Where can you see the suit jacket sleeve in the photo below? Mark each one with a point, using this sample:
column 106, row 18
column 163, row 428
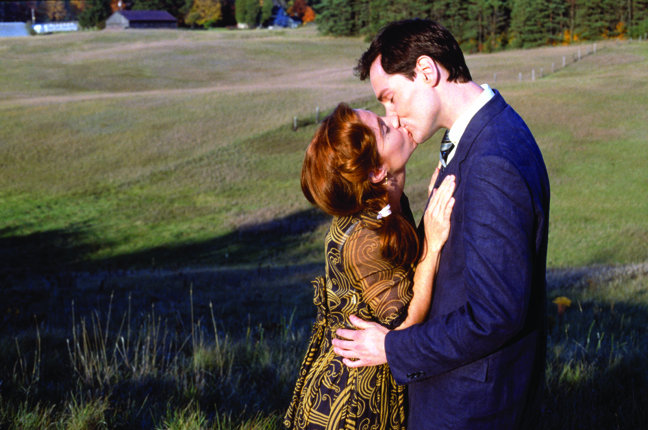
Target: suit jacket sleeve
column 499, row 246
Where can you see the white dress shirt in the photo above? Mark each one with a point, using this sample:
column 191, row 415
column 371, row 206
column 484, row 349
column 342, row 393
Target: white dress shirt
column 459, row 126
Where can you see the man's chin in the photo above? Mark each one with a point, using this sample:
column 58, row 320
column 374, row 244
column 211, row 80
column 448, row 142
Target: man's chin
column 412, row 140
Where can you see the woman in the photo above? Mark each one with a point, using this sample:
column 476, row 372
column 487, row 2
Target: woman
column 354, row 169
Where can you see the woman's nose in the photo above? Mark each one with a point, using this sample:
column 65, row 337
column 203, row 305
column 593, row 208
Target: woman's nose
column 392, row 120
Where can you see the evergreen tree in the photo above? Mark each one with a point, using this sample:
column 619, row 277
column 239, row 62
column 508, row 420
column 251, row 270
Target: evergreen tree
column 456, row 18
column 381, row 12
column 252, row 12
column 556, row 20
column 266, row 11
column 95, row 13
column 527, row 23
column 497, row 20
column 637, row 18
column 177, row 8
column 336, row 17
column 239, row 10
column 591, row 19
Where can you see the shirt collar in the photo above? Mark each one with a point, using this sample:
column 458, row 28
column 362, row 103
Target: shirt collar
column 459, row 126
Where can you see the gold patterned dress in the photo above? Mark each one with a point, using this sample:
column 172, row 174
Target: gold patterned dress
column 358, row 281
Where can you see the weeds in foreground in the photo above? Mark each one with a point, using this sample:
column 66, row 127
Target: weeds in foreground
column 145, row 370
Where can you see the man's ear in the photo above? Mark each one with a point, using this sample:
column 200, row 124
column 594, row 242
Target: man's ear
column 378, row 175
column 428, row 68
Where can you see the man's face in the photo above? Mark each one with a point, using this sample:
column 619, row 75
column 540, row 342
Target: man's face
column 413, row 104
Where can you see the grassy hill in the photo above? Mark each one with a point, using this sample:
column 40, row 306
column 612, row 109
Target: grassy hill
column 153, row 148
column 173, row 153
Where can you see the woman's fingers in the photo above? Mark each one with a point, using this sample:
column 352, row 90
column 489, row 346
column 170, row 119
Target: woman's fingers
column 438, row 212
column 442, row 194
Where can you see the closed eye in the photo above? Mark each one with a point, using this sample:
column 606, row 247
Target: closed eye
column 382, row 126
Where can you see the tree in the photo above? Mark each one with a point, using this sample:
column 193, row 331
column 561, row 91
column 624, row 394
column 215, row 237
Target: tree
column 239, row 10
column 95, row 13
column 297, row 9
column 177, row 8
column 266, row 11
column 252, row 12
column 591, row 19
column 77, row 6
column 337, row 17
column 55, row 10
column 206, row 13
column 527, row 24
column 309, row 15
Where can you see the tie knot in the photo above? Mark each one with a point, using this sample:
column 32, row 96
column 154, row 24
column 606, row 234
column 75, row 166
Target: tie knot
column 446, row 147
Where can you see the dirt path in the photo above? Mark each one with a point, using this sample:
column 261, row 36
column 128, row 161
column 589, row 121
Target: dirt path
column 336, row 78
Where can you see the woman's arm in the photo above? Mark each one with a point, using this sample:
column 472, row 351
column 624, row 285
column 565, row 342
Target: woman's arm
column 437, row 228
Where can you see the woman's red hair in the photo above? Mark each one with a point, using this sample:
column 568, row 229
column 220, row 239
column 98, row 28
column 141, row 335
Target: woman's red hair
column 335, row 177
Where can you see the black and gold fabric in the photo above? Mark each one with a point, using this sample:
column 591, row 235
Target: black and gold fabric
column 358, row 281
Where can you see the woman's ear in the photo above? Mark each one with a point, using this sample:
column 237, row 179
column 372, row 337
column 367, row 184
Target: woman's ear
column 378, row 175
column 428, row 68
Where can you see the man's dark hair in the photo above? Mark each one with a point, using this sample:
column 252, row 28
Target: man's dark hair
column 401, row 43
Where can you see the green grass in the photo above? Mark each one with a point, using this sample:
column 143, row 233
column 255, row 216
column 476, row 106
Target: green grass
column 172, row 152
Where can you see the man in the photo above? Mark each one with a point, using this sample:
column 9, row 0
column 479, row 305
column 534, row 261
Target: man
column 478, row 360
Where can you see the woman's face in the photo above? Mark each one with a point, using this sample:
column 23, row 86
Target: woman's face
column 395, row 145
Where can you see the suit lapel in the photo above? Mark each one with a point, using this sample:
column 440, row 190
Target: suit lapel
column 490, row 110
column 485, row 115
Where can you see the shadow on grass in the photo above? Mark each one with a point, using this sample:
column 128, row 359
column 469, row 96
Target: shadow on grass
column 72, row 248
column 276, row 241
column 44, row 251
column 46, row 276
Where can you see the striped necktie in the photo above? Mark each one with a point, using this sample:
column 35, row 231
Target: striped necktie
column 446, row 148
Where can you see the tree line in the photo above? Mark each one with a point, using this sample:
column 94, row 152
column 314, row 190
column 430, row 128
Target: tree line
column 490, row 25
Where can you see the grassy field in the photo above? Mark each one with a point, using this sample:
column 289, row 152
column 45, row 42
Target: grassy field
column 155, row 248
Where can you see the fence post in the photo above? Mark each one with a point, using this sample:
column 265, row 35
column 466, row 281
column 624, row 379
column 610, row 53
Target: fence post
column 533, row 74
column 595, row 48
column 294, row 123
column 579, row 54
column 317, row 115
column 542, row 72
column 520, row 76
column 553, row 67
column 564, row 61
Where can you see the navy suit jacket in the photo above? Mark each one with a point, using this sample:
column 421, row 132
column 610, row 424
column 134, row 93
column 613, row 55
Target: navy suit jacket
column 478, row 361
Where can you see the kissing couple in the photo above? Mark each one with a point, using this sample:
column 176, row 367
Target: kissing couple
column 440, row 326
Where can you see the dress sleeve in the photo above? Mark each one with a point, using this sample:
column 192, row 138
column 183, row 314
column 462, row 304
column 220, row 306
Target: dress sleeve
column 385, row 288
